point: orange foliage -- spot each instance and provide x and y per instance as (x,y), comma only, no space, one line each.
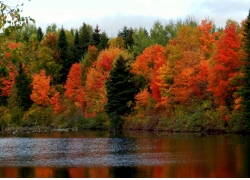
(207,39)
(95,81)
(56,103)
(7,83)
(142,99)
(147,65)
(13,45)
(50,41)
(74,89)
(40,88)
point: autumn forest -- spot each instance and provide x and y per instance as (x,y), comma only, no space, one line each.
(181,76)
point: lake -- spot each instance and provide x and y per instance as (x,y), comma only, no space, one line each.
(132,154)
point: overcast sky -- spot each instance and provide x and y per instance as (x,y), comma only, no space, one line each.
(113,15)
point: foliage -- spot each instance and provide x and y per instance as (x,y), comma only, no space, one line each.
(245,90)
(40,88)
(74,88)
(127,35)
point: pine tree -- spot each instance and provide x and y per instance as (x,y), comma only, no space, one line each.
(103,41)
(64,55)
(120,93)
(85,37)
(127,35)
(245,91)
(77,52)
(23,89)
(96,36)
(39,34)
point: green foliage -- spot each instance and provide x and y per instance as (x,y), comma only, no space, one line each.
(11,19)
(15,107)
(22,83)
(28,33)
(45,61)
(76,49)
(38,116)
(245,91)
(127,35)
(85,37)
(64,55)
(51,28)
(39,34)
(141,41)
(103,41)
(96,36)
(120,92)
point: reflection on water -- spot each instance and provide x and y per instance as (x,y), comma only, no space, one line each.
(95,154)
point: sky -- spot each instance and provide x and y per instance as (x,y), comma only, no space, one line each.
(112,15)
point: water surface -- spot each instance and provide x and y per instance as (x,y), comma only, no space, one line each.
(100,154)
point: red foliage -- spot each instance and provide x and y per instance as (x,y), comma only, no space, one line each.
(74,89)
(226,66)
(7,83)
(56,103)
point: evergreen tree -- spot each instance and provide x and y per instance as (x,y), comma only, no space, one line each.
(85,37)
(96,36)
(64,55)
(103,41)
(39,34)
(23,89)
(76,50)
(120,93)
(127,35)
(245,91)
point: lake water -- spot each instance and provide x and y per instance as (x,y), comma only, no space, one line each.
(132,154)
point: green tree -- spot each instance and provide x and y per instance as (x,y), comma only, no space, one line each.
(120,92)
(64,54)
(51,28)
(76,49)
(103,41)
(141,41)
(96,36)
(39,34)
(245,91)
(46,61)
(22,83)
(85,37)
(158,34)
(127,34)
(28,33)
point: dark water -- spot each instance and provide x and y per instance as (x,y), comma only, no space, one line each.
(100,154)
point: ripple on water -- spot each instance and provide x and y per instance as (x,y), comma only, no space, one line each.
(78,152)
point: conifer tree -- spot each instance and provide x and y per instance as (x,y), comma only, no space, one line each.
(22,83)
(77,52)
(39,34)
(96,36)
(64,55)
(85,37)
(245,91)
(103,41)
(127,35)
(120,92)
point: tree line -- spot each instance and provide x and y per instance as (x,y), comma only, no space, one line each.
(182,76)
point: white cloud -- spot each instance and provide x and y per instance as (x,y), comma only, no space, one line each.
(113,14)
